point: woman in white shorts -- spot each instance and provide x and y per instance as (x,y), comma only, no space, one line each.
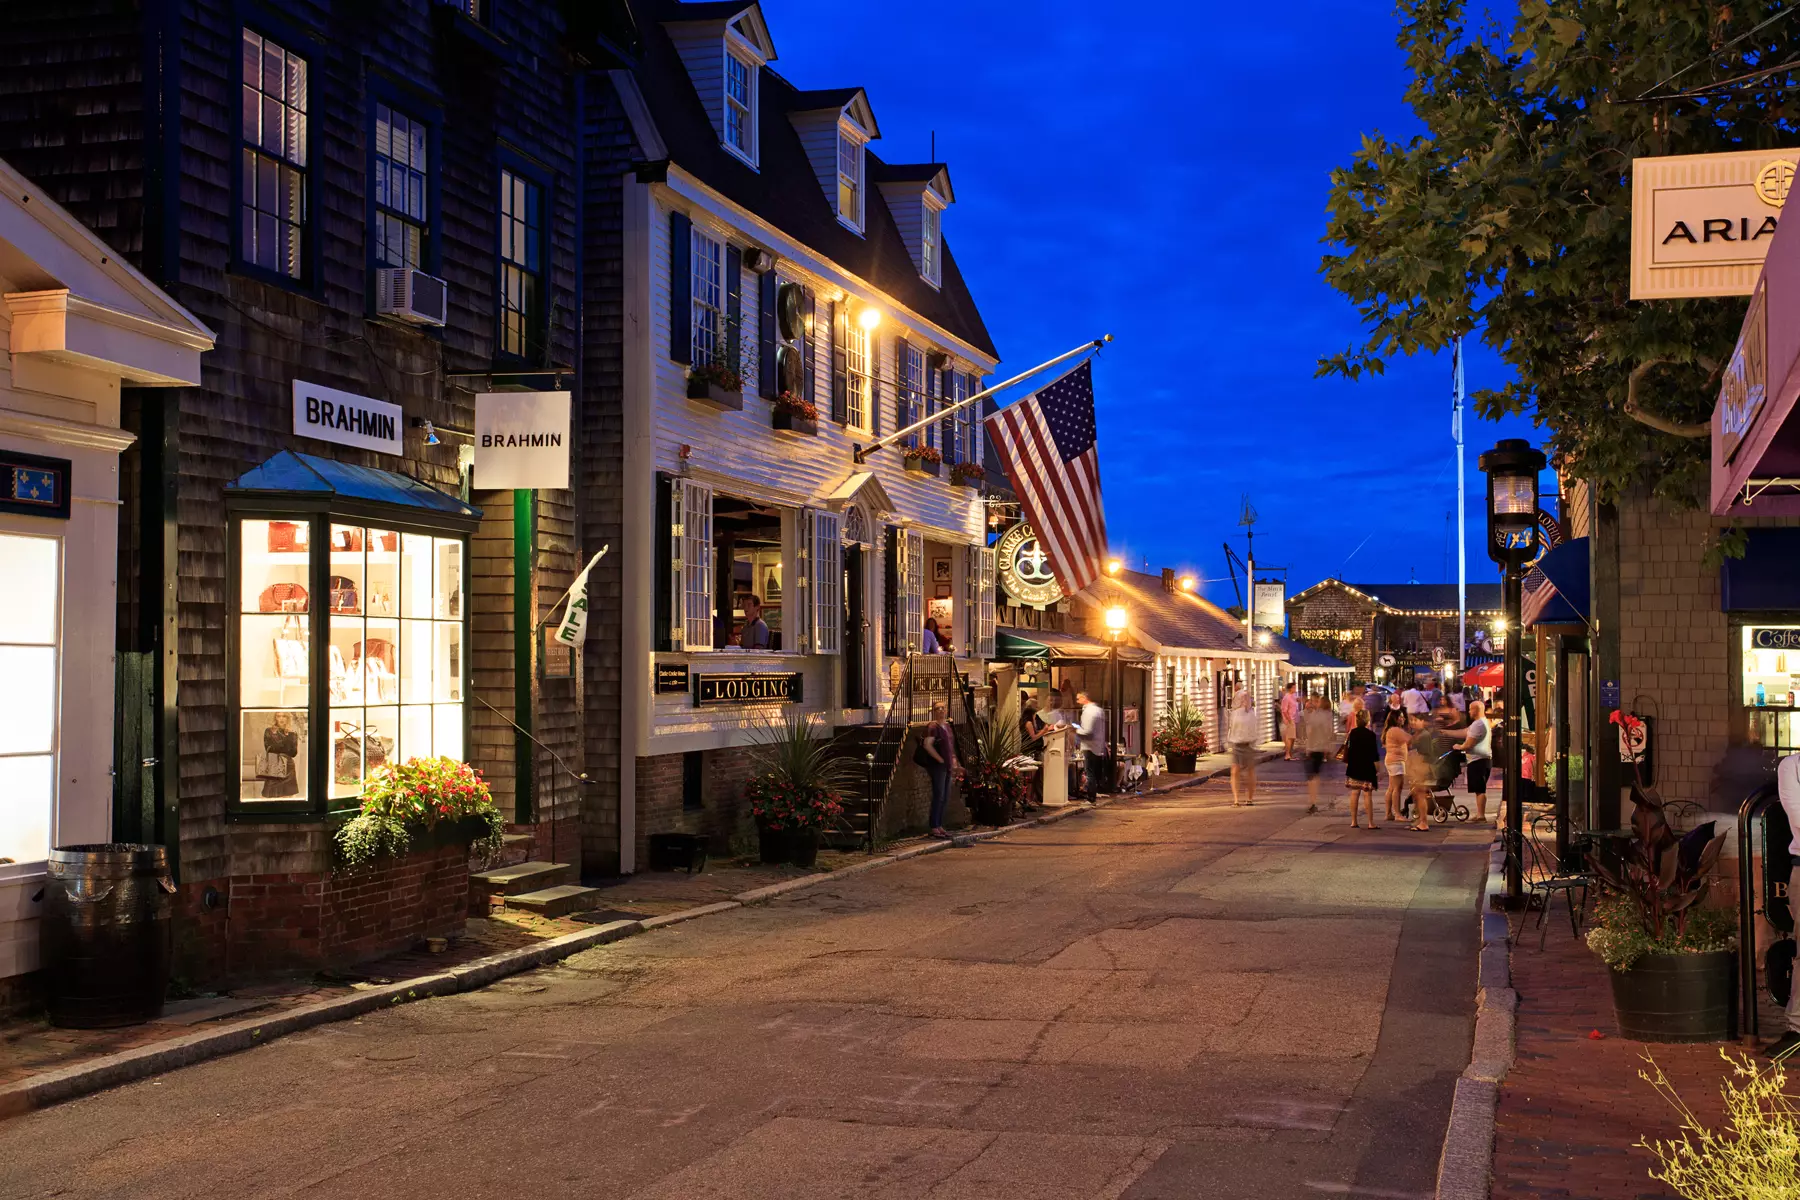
(1394,742)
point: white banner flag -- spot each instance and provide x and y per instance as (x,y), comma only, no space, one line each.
(573,628)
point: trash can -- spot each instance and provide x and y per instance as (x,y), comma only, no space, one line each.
(106,934)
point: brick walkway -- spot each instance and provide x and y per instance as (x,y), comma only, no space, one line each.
(1572,1108)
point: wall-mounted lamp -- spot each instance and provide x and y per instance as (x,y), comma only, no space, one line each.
(869,318)
(431,437)
(1114,566)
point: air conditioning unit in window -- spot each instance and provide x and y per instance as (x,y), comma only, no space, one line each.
(411,296)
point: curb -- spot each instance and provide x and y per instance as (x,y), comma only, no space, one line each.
(1466,1166)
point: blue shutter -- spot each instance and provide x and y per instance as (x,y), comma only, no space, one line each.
(734,307)
(766,372)
(681,284)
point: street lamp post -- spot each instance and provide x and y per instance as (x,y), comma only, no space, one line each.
(1512,468)
(1116,621)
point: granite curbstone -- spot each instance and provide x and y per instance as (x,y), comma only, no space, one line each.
(1465,1170)
(677,918)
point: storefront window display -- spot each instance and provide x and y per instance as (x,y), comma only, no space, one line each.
(1771,684)
(30,647)
(375,673)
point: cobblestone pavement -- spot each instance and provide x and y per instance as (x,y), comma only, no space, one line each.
(1167,997)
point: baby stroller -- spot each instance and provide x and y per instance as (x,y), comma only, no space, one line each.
(1444,804)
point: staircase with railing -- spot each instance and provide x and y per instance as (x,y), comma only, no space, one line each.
(873,751)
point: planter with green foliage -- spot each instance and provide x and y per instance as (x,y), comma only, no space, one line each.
(1181,737)
(1671,958)
(419,804)
(967,475)
(921,460)
(994,786)
(794,796)
(717,385)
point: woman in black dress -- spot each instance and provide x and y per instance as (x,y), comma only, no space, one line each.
(1362,760)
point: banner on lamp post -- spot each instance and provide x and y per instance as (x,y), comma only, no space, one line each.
(522,440)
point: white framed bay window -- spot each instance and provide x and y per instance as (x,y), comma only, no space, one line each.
(31,614)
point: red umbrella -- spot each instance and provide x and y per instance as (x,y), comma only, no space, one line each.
(1487,675)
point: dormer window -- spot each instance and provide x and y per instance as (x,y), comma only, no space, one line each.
(930,231)
(850,178)
(740,105)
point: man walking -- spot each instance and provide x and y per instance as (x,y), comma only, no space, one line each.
(1290,721)
(1414,701)
(1090,735)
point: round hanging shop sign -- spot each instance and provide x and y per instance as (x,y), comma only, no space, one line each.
(1025,568)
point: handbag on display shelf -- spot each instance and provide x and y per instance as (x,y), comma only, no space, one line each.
(282,597)
(290,649)
(346,538)
(343,594)
(339,680)
(385,540)
(357,752)
(285,537)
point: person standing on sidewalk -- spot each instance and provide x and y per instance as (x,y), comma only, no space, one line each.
(1242,732)
(1478,744)
(939,745)
(1090,734)
(1290,721)
(1787,783)
(1362,759)
(1318,738)
(1394,742)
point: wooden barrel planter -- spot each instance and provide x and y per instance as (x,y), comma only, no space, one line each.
(1180,764)
(1676,997)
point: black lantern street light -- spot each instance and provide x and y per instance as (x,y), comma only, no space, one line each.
(1512,468)
(1117,621)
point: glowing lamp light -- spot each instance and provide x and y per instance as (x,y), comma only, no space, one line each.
(1114,566)
(1117,618)
(1500,625)
(1262,639)
(869,318)
(1187,583)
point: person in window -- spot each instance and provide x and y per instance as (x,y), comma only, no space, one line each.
(934,642)
(275,766)
(755,634)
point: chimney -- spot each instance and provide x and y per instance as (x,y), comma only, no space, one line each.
(1169,580)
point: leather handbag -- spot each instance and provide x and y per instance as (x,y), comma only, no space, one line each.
(343,595)
(346,538)
(282,597)
(285,537)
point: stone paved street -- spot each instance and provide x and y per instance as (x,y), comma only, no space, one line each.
(1163,998)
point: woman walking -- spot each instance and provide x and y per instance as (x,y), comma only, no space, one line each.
(1318,738)
(1242,734)
(1394,741)
(939,744)
(1362,758)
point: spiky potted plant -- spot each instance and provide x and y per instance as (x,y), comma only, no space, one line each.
(1181,737)
(1671,957)
(993,784)
(795,794)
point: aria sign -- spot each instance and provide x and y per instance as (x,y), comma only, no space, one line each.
(1701,223)
(1025,568)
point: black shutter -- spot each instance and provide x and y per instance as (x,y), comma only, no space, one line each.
(840,364)
(902,418)
(734,308)
(766,372)
(874,383)
(681,283)
(947,426)
(807,350)
(664,603)
(890,575)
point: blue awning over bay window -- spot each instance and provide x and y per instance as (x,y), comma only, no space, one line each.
(346,487)
(1767,577)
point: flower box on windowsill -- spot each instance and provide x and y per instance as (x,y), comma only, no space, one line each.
(919,464)
(791,422)
(966,475)
(707,392)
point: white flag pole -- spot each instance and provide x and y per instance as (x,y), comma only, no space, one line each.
(1462,550)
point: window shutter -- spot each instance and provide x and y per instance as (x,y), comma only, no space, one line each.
(769,335)
(914,614)
(696,566)
(840,363)
(828,584)
(984,604)
(734,308)
(875,382)
(892,579)
(681,285)
(807,352)
(668,564)
(947,427)
(902,418)
(797,604)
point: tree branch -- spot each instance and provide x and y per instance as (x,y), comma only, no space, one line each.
(1660,424)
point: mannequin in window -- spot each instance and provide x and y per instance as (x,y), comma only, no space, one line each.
(755,634)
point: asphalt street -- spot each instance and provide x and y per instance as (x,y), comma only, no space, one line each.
(1167,997)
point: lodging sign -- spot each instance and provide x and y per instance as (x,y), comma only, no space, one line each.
(522,440)
(712,690)
(1701,223)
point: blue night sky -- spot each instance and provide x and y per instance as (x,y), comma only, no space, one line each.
(1165,181)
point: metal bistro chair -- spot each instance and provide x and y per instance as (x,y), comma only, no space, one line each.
(1544,878)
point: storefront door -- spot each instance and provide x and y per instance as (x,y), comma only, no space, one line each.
(1572,774)
(856,630)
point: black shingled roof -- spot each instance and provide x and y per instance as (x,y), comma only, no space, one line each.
(785,192)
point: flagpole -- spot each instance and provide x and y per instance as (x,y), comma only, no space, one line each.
(1462,555)
(863,452)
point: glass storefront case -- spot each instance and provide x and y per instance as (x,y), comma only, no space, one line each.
(350,650)
(1770,685)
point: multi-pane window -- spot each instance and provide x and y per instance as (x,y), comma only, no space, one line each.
(911,399)
(696,566)
(30,708)
(928,243)
(850,159)
(521,265)
(967,420)
(272,206)
(859,372)
(708,292)
(740,86)
(400,170)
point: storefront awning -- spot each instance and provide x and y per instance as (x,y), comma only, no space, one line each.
(1556,590)
(1031,645)
(1767,577)
(1755,430)
(306,479)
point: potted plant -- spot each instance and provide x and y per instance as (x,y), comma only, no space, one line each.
(1671,957)
(794,413)
(430,801)
(993,784)
(1181,737)
(921,459)
(716,383)
(967,475)
(794,794)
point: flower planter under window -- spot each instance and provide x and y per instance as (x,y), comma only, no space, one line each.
(711,393)
(917,464)
(791,422)
(963,477)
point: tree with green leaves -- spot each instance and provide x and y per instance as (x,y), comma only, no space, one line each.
(1509,217)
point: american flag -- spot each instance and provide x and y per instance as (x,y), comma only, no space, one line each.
(1047,448)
